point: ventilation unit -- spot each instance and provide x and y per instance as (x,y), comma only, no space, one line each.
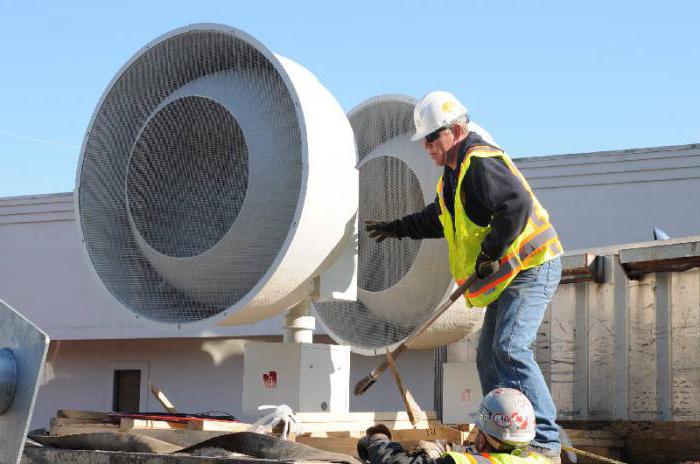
(216,179)
(399,282)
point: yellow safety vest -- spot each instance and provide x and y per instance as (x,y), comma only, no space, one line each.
(527,457)
(537,244)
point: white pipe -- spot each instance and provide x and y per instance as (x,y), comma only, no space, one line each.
(299,325)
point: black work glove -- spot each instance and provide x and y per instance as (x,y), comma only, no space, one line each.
(434,449)
(485,266)
(378,432)
(380,231)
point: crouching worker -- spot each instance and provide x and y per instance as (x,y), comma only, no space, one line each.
(506,426)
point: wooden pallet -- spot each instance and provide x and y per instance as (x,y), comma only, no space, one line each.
(604,443)
(70,422)
(356,422)
(346,441)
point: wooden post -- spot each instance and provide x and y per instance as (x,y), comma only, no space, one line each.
(412,408)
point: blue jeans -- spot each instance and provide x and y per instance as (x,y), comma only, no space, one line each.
(504,355)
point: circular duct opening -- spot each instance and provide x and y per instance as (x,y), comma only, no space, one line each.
(388,189)
(191,175)
(187,177)
(400,282)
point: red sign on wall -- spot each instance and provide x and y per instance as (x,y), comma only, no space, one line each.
(270,379)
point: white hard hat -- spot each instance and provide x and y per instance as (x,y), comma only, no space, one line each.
(435,110)
(507,415)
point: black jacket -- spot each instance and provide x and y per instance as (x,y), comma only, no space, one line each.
(389,452)
(491,194)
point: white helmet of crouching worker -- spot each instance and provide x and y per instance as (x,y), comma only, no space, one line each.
(435,110)
(507,415)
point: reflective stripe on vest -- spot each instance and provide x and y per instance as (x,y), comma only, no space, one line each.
(536,244)
(546,236)
(497,458)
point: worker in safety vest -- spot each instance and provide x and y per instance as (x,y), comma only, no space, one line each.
(505,422)
(495,227)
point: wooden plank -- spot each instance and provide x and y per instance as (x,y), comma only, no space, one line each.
(407,438)
(356,434)
(581,371)
(440,432)
(596,442)
(592,434)
(622,301)
(412,408)
(309,427)
(162,399)
(601,350)
(60,430)
(600,440)
(81,414)
(56,421)
(359,416)
(562,347)
(685,324)
(136,424)
(218,426)
(642,349)
(614,453)
(663,345)
(335,445)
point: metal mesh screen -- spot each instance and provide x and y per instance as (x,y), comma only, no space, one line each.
(388,189)
(353,323)
(168,177)
(187,177)
(394,296)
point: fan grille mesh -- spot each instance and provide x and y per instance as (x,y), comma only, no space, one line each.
(187,177)
(186,185)
(388,189)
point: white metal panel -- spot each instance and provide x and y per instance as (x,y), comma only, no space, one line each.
(309,377)
(461,392)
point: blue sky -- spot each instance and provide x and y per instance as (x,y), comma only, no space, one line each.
(543,77)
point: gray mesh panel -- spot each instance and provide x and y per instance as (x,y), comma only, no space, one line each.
(388,189)
(372,128)
(187,177)
(129,105)
(358,327)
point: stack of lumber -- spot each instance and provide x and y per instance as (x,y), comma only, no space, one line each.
(318,422)
(70,421)
(335,432)
(339,433)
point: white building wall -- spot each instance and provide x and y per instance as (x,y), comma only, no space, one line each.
(612,198)
(197,375)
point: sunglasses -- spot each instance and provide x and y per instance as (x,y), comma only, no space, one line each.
(434,135)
